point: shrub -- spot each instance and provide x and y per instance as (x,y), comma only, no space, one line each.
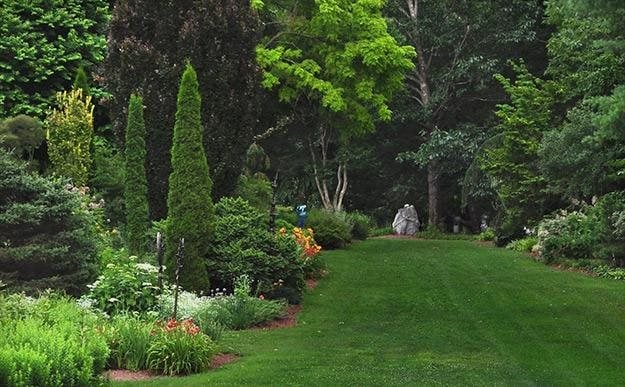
(331,230)
(47,239)
(610,214)
(571,235)
(361,225)
(21,134)
(524,245)
(125,285)
(136,186)
(70,129)
(287,216)
(179,347)
(54,342)
(243,245)
(256,189)
(487,235)
(190,207)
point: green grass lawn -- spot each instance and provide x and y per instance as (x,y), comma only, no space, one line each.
(398,312)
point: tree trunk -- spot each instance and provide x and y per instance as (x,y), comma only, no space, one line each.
(433,194)
(334,203)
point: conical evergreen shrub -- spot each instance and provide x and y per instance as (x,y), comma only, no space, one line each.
(189,204)
(81,81)
(136,186)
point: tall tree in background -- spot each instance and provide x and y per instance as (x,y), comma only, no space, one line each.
(148,45)
(337,62)
(43,43)
(136,185)
(190,207)
(460,45)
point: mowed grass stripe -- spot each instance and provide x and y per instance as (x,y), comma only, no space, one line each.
(411,312)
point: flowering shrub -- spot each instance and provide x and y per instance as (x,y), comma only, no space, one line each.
(305,240)
(179,347)
(568,235)
(309,249)
(125,285)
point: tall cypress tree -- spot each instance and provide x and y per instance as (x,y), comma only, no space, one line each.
(136,186)
(190,206)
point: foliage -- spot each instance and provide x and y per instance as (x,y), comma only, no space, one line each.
(189,203)
(136,190)
(574,164)
(486,235)
(361,225)
(381,231)
(46,232)
(309,250)
(107,180)
(128,338)
(69,130)
(571,235)
(610,213)
(243,245)
(22,135)
(524,245)
(451,91)
(44,43)
(179,348)
(125,285)
(81,81)
(240,311)
(512,164)
(52,342)
(256,190)
(332,231)
(344,60)
(148,45)
(606,271)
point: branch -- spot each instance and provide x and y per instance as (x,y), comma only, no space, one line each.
(278,127)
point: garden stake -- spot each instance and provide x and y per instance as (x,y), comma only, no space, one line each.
(179,257)
(272,210)
(159,257)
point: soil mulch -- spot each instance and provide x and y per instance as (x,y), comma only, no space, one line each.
(287,321)
(222,359)
(312,283)
(126,375)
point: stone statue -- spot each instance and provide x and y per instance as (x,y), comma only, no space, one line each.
(406,221)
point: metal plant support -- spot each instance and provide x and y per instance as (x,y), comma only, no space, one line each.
(272,210)
(179,258)
(160,256)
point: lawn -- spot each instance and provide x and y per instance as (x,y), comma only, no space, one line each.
(397,312)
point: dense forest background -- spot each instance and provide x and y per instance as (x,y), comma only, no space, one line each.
(509,109)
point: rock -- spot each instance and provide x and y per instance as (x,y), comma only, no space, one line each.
(406,221)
